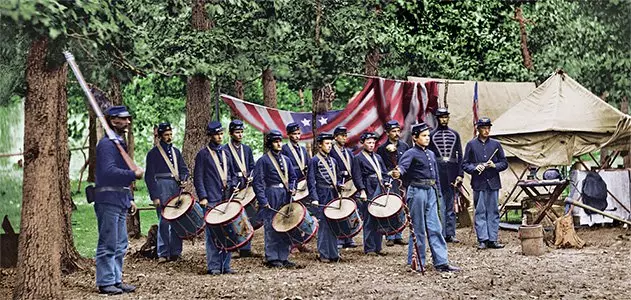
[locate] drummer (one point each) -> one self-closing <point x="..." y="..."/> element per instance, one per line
<point x="344" y="158"/>
<point x="214" y="179"/>
<point x="165" y="177"/>
<point x="369" y="177"/>
<point x="299" y="160"/>
<point x="274" y="183"/>
<point x="418" y="166"/>
<point x="242" y="164"/>
<point x="391" y="152"/>
<point x="322" y="180"/>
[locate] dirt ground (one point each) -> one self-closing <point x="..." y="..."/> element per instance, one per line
<point x="601" y="270"/>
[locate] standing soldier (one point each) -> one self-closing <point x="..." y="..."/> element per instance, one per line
<point x="214" y="180"/>
<point x="344" y="158"/>
<point x="273" y="185"/>
<point x="445" y="143"/>
<point x="418" y="166"/>
<point x="391" y="152"/>
<point x="484" y="159"/>
<point x="112" y="200"/>
<point x="322" y="179"/>
<point x="242" y="164"/>
<point x="165" y="177"/>
<point x="369" y="177"/>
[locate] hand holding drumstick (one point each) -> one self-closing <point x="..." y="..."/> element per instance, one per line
<point x="488" y="164"/>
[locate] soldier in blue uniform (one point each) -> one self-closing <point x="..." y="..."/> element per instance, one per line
<point x="242" y="164"/>
<point x="484" y="158"/>
<point x="165" y="177"/>
<point x="418" y="167"/>
<point x="344" y="158"/>
<point x="214" y="181"/>
<point x="391" y="152"/>
<point x="369" y="176"/>
<point x="445" y="143"/>
<point x="274" y="183"/>
<point x="112" y="200"/>
<point x="322" y="179"/>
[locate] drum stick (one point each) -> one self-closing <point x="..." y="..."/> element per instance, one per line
<point x="236" y="191"/>
<point x="490" y="158"/>
<point x="278" y="211"/>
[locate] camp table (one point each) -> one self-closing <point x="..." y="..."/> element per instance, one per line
<point x="553" y="189"/>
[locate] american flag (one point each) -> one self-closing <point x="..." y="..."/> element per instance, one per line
<point x="380" y="100"/>
<point x="475" y="107"/>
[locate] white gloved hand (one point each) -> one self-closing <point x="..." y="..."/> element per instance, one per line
<point x="315" y="203"/>
<point x="480" y="168"/>
<point x="362" y="195"/>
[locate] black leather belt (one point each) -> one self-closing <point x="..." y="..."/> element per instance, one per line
<point x="423" y="182"/>
<point x="112" y="189"/>
<point x="278" y="185"/>
<point x="164" y="176"/>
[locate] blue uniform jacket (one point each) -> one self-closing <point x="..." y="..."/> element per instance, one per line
<point x="318" y="178"/>
<point x="249" y="163"/>
<point x="419" y="164"/>
<point x="478" y="152"/>
<point x="287" y="152"/>
<point x="265" y="175"/>
<point x="155" y="164"/>
<point x="111" y="171"/>
<point x="340" y="163"/>
<point x="206" y="176"/>
<point x="364" y="176"/>
<point x="390" y="159"/>
<point x="449" y="156"/>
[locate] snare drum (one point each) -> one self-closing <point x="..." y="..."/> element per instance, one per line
<point x="229" y="225"/>
<point x="247" y="198"/>
<point x="185" y="215"/>
<point x="302" y="193"/>
<point x="388" y="211"/>
<point x="296" y="222"/>
<point x="343" y="218"/>
<point x="348" y="190"/>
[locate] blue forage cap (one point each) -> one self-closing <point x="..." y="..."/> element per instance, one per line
<point x="164" y="127"/>
<point x="441" y="112"/>
<point x="324" y="136"/>
<point x="291" y="127"/>
<point x="392" y="124"/>
<point x="214" y="127"/>
<point x="484" y="121"/>
<point x="273" y="135"/>
<point x="367" y="135"/>
<point x="117" y="111"/>
<point x="235" y="125"/>
<point x="418" y="128"/>
<point x="340" y="130"/>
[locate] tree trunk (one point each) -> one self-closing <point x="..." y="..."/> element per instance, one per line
<point x="40" y="245"/>
<point x="239" y="92"/>
<point x="322" y="102"/>
<point x="198" y="97"/>
<point x="372" y="62"/>
<point x="269" y="88"/>
<point x="525" y="53"/>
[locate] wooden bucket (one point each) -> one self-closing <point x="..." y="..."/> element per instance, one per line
<point x="531" y="237"/>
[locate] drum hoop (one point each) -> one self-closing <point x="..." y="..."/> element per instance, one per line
<point x="344" y="217"/>
<point x="383" y="194"/>
<point x="405" y="223"/>
<point x="190" y="207"/>
<point x="359" y="228"/>
<point x="302" y="219"/>
<point x="237" y="246"/>
<point x="244" y="203"/>
<point x="311" y="236"/>
<point x="227" y="221"/>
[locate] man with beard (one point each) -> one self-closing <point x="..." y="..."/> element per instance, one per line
<point x="273" y="185"/>
<point x="165" y="178"/>
<point x="445" y="143"/>
<point x="242" y="164"/>
<point x="344" y="158"/>
<point x="391" y="152"/>
<point x="484" y="159"/>
<point x="418" y="166"/>
<point x="370" y="177"/>
<point x="322" y="180"/>
<point x="112" y="200"/>
<point x="214" y="181"/>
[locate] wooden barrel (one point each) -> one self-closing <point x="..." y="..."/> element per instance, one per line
<point x="531" y="237"/>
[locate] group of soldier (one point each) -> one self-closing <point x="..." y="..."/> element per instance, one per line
<point x="427" y="174"/>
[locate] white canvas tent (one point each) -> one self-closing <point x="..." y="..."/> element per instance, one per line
<point x="558" y="121"/>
